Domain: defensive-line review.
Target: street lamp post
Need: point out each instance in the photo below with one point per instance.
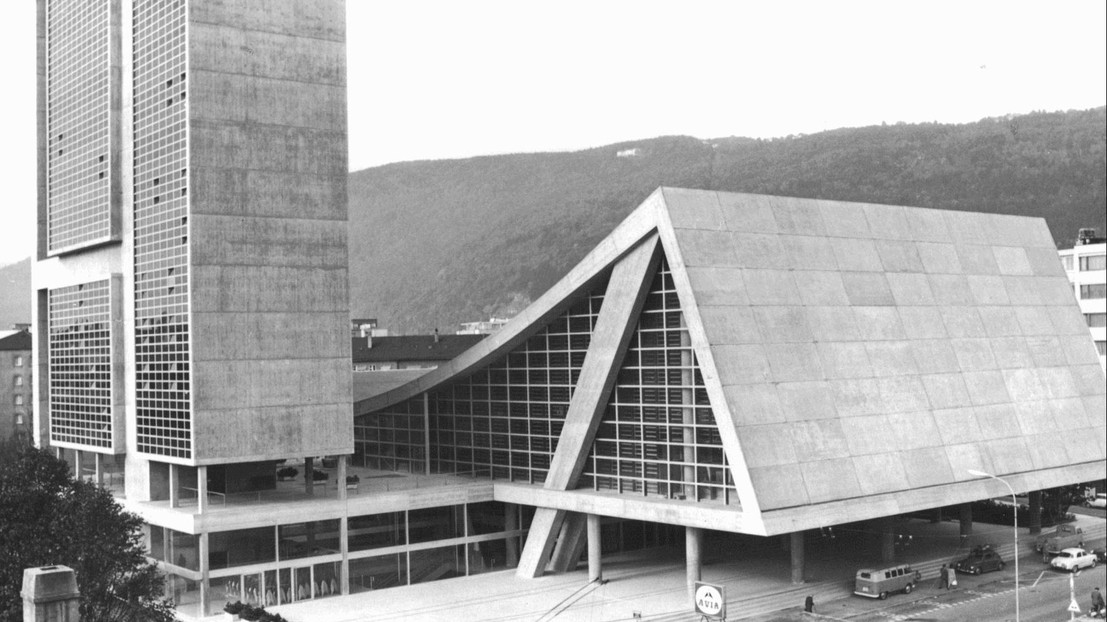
(1015, 507)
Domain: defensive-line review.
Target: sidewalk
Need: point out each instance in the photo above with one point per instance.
(651, 583)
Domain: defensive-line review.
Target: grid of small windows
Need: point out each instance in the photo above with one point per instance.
(162, 379)
(78, 122)
(501, 422)
(80, 364)
(658, 435)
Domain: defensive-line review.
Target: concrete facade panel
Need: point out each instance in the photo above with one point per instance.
(242, 240)
(887, 222)
(699, 210)
(806, 400)
(998, 421)
(706, 248)
(922, 322)
(844, 220)
(797, 216)
(844, 360)
(939, 258)
(913, 430)
(730, 325)
(754, 404)
(880, 473)
(891, 358)
(957, 426)
(967, 457)
(951, 290)
(856, 255)
(771, 287)
(317, 19)
(231, 385)
(1008, 455)
(767, 445)
(718, 286)
(999, 321)
(759, 250)
(274, 194)
(1036, 418)
(829, 324)
(1067, 320)
(868, 434)
(267, 101)
(934, 356)
(910, 289)
(782, 324)
(1088, 379)
(820, 288)
(962, 322)
(1023, 290)
(1046, 351)
(903, 394)
(1068, 414)
(946, 391)
(751, 213)
(266, 147)
(988, 290)
(974, 354)
(259, 433)
(779, 486)
(928, 225)
(976, 259)
(1046, 452)
(878, 323)
(806, 252)
(1011, 352)
(867, 288)
(859, 396)
(819, 440)
(792, 362)
(269, 289)
(1012, 260)
(899, 256)
(830, 479)
(742, 364)
(928, 466)
(986, 387)
(223, 47)
(236, 336)
(1045, 262)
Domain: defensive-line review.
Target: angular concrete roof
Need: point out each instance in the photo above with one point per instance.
(861, 359)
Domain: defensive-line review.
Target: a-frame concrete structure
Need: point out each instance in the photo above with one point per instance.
(837, 361)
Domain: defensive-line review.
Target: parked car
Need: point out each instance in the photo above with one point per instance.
(1064, 536)
(1100, 554)
(1073, 559)
(879, 582)
(980, 560)
(1098, 501)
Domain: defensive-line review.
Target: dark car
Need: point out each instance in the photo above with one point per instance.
(981, 559)
(1100, 554)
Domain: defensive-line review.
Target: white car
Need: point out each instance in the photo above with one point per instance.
(1073, 559)
(1098, 501)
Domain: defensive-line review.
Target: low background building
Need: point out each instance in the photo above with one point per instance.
(1086, 266)
(16, 408)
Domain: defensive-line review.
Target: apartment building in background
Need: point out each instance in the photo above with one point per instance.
(1086, 266)
(16, 406)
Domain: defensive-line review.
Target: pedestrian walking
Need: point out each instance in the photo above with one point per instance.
(952, 582)
(1098, 606)
(809, 604)
(943, 578)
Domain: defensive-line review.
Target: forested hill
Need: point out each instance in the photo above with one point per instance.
(440, 242)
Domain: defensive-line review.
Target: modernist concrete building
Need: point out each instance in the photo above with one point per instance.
(191, 309)
(1086, 266)
(763, 365)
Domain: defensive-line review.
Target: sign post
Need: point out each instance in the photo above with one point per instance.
(710, 601)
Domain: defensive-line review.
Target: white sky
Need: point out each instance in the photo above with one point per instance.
(431, 79)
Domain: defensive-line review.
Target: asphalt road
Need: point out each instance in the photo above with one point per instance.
(1048, 601)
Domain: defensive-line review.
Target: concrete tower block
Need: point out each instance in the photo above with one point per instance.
(50, 593)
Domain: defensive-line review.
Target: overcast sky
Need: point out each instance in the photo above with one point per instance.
(432, 79)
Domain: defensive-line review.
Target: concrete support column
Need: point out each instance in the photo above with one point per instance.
(693, 557)
(344, 548)
(798, 558)
(936, 517)
(342, 478)
(887, 540)
(595, 570)
(205, 571)
(511, 523)
(77, 456)
(98, 462)
(966, 519)
(309, 476)
(202, 489)
(174, 486)
(1035, 512)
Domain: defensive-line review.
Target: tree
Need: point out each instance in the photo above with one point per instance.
(47, 517)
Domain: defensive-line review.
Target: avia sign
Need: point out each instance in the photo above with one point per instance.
(711, 600)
